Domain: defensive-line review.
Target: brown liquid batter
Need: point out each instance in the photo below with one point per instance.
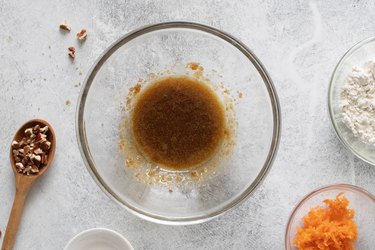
(178, 122)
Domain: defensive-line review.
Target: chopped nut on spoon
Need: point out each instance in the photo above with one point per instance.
(31, 152)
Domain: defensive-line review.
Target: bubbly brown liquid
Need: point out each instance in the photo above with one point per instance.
(178, 122)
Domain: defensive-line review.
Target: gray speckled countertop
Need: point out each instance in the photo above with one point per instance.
(299, 43)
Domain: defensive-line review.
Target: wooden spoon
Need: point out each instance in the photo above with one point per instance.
(24, 182)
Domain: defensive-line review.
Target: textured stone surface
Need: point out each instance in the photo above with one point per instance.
(298, 42)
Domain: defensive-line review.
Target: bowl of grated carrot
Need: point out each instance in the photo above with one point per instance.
(335, 217)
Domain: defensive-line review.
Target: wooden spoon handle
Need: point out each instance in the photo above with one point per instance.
(14, 219)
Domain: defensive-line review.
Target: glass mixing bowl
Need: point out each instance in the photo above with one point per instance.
(153, 49)
(360, 200)
(356, 56)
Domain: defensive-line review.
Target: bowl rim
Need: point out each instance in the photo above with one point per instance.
(313, 193)
(83, 145)
(348, 53)
(98, 229)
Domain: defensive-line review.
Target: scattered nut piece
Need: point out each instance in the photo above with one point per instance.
(65, 26)
(31, 152)
(82, 35)
(71, 52)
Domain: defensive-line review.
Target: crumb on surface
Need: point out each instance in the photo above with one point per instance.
(82, 35)
(71, 52)
(193, 65)
(64, 26)
(194, 173)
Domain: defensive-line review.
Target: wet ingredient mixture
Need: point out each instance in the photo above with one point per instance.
(178, 122)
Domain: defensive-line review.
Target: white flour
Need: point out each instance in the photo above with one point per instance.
(358, 102)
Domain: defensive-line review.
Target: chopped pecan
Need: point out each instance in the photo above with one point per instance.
(27, 170)
(15, 144)
(44, 129)
(82, 35)
(40, 138)
(26, 150)
(19, 166)
(64, 26)
(29, 132)
(72, 52)
(38, 151)
(35, 158)
(36, 129)
(45, 145)
(34, 169)
(44, 158)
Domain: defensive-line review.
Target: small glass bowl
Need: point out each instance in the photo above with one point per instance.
(356, 56)
(360, 200)
(98, 238)
(157, 48)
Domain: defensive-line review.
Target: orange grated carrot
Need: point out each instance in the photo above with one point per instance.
(328, 228)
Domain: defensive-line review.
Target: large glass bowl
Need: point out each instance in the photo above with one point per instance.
(158, 47)
(360, 200)
(356, 56)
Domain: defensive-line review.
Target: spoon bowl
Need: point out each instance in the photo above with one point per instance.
(24, 182)
(50, 137)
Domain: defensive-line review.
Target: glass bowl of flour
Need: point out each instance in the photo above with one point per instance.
(351, 100)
